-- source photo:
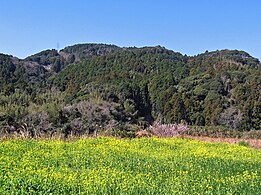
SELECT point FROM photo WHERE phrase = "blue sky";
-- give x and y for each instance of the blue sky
(187, 26)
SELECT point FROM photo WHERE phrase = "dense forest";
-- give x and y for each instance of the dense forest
(90, 88)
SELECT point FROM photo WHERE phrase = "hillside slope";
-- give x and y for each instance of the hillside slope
(87, 87)
(218, 88)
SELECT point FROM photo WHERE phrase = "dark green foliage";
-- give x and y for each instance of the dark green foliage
(129, 86)
(44, 58)
(174, 110)
(17, 74)
(50, 59)
(80, 52)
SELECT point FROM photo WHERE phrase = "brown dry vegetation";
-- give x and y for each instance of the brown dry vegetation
(256, 143)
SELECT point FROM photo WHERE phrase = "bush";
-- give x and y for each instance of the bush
(253, 134)
(222, 132)
(168, 130)
(243, 143)
(122, 131)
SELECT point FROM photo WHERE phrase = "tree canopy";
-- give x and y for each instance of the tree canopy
(129, 86)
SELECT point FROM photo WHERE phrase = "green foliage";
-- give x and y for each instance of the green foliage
(174, 110)
(146, 84)
(243, 143)
(80, 52)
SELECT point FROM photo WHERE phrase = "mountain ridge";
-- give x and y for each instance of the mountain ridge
(90, 45)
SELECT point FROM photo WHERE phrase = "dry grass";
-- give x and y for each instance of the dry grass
(255, 143)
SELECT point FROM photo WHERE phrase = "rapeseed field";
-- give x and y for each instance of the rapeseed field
(128, 166)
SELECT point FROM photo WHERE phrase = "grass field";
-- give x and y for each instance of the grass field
(123, 166)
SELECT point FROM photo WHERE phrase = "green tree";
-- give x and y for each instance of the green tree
(174, 110)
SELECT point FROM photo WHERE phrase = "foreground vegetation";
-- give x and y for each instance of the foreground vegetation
(128, 166)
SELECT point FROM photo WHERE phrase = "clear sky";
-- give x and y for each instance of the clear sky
(187, 26)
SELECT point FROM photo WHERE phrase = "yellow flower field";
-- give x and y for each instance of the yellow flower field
(128, 166)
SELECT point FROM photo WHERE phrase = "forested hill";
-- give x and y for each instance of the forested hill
(89, 87)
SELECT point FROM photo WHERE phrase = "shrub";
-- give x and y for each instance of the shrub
(168, 130)
(122, 131)
(243, 143)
